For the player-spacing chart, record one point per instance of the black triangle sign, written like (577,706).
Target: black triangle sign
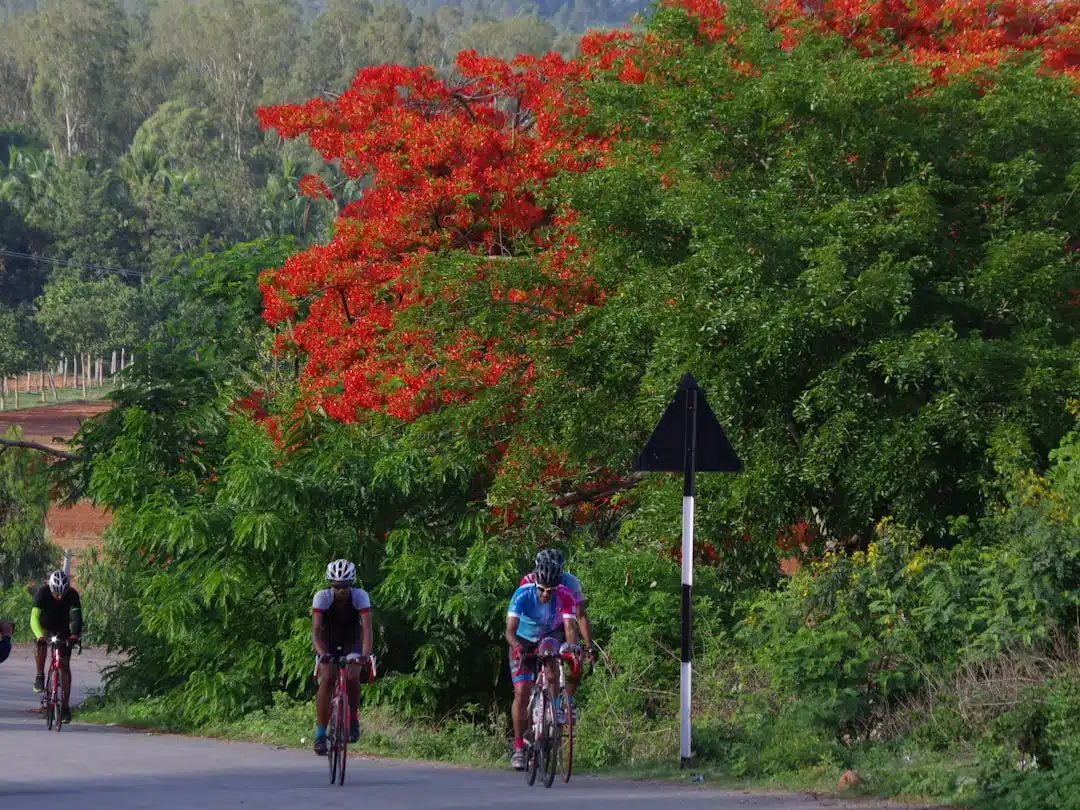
(665,451)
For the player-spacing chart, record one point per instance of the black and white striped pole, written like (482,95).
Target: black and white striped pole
(688,439)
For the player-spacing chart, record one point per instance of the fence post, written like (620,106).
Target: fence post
(67,561)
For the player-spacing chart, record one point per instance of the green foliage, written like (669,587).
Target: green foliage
(870,283)
(15,604)
(25,554)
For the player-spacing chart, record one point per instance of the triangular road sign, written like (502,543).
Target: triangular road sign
(666,449)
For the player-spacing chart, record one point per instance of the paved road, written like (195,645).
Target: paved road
(93,767)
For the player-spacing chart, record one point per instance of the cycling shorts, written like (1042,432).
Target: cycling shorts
(525,670)
(65,649)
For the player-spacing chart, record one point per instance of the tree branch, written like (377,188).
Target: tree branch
(41,448)
(627,482)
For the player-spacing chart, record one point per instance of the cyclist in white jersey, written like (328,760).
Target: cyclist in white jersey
(340,626)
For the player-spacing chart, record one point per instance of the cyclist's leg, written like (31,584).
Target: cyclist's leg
(352,688)
(65,681)
(521,675)
(39,660)
(327,679)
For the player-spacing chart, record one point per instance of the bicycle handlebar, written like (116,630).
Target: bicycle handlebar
(564,656)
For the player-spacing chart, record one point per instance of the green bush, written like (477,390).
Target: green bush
(15,605)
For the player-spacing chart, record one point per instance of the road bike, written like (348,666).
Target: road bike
(51,702)
(550,744)
(337,730)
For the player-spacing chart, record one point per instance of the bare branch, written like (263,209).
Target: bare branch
(345,305)
(41,448)
(526,305)
(627,482)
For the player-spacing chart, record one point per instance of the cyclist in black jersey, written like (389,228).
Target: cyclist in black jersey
(56,611)
(340,626)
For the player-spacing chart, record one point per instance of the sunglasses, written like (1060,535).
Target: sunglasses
(545,589)
(341,586)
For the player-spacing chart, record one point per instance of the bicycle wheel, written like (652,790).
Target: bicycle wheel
(343,738)
(550,761)
(58,715)
(532,760)
(331,741)
(47,701)
(566,756)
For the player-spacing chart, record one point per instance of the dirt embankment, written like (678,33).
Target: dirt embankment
(77,527)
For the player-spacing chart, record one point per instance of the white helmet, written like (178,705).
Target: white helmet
(340,571)
(58,582)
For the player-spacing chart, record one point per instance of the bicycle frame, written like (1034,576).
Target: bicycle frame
(544,750)
(337,735)
(50,695)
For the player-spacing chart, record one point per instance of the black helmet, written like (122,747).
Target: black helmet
(548,571)
(552,554)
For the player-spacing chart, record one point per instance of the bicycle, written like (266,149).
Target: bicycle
(337,730)
(50,695)
(550,744)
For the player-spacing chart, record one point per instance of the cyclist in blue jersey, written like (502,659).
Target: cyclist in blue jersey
(538,610)
(570,582)
(574,585)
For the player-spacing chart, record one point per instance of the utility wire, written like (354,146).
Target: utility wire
(97,268)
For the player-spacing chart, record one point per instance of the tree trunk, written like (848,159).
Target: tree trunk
(63,384)
(16,393)
(43,379)
(28,381)
(112,366)
(52,384)
(101,371)
(3,394)
(85,372)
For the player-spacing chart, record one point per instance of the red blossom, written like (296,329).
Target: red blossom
(311,185)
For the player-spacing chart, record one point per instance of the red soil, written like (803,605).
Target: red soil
(77,527)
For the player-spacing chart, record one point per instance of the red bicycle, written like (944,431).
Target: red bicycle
(551,743)
(50,695)
(337,731)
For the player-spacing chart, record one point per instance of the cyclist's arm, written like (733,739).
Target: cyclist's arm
(583,624)
(35,622)
(511,631)
(76,615)
(570,625)
(365,630)
(317,634)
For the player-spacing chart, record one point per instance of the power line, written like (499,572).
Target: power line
(97,268)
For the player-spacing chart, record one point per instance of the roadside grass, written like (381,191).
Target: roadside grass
(897,778)
(289,723)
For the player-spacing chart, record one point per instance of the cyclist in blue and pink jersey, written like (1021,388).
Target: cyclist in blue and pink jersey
(538,610)
(571,582)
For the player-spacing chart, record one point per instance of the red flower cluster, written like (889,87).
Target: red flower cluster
(311,185)
(456,167)
(954,37)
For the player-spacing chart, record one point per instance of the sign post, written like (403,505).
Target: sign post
(687,439)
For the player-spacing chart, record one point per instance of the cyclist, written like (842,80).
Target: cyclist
(56,611)
(540,609)
(6,631)
(571,583)
(340,625)
(574,585)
